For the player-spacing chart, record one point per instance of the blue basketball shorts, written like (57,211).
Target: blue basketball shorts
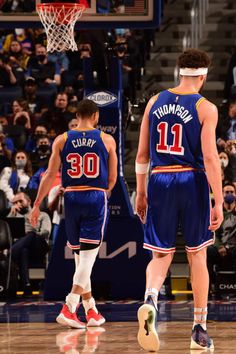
(178,200)
(86,216)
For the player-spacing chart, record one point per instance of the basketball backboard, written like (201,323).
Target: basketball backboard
(99,14)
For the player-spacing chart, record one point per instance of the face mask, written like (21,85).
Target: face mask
(224,162)
(44,148)
(229,198)
(24,210)
(41,57)
(20,164)
(120,31)
(19,31)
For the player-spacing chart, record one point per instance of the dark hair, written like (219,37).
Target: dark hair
(229,184)
(194,59)
(86,108)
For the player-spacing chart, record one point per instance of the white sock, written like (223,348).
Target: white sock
(153,293)
(89,304)
(72,301)
(200,316)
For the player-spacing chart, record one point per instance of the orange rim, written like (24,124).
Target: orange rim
(58,5)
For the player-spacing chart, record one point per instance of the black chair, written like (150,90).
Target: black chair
(5,258)
(4,210)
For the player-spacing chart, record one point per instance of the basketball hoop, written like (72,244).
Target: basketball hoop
(59,20)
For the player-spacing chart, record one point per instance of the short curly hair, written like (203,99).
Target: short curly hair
(194,59)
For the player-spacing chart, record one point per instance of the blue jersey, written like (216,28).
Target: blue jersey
(84,160)
(175,130)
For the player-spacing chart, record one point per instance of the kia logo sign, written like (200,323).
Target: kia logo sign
(102,98)
(1,288)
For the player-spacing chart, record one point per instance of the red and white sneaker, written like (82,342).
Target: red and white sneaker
(94,319)
(67,318)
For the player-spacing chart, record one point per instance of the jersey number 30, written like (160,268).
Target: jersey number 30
(176,130)
(86,165)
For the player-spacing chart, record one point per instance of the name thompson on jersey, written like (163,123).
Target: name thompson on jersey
(178,110)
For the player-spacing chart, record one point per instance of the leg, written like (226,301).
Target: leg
(199,277)
(200,287)
(147,313)
(20,255)
(157,270)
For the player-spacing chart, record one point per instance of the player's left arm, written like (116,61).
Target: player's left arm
(48,178)
(141,163)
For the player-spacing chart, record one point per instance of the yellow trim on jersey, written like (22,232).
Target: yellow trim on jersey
(83,188)
(199,102)
(102,135)
(181,93)
(174,168)
(65,136)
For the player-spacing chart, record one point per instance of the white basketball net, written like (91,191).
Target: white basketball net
(59,22)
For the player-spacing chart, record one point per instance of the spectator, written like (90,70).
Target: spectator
(226,129)
(21,36)
(30,96)
(225,167)
(40,156)
(18,61)
(223,252)
(73,124)
(7,77)
(231,151)
(40,131)
(16,178)
(20,113)
(60,59)
(6,149)
(58,117)
(46,73)
(34,245)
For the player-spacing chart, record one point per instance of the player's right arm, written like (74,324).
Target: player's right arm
(208,116)
(142,158)
(110,144)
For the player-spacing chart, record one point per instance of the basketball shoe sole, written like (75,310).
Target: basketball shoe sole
(147,335)
(62,320)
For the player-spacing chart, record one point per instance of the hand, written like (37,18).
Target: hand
(222,251)
(15,209)
(34,216)
(216,217)
(61,191)
(141,207)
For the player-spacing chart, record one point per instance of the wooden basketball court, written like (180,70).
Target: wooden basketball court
(112,338)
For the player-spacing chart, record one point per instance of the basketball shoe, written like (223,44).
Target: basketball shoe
(200,339)
(94,319)
(147,334)
(70,319)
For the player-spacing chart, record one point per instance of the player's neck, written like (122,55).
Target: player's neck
(85,124)
(183,87)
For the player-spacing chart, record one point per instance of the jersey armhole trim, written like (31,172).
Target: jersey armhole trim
(102,135)
(65,135)
(199,102)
